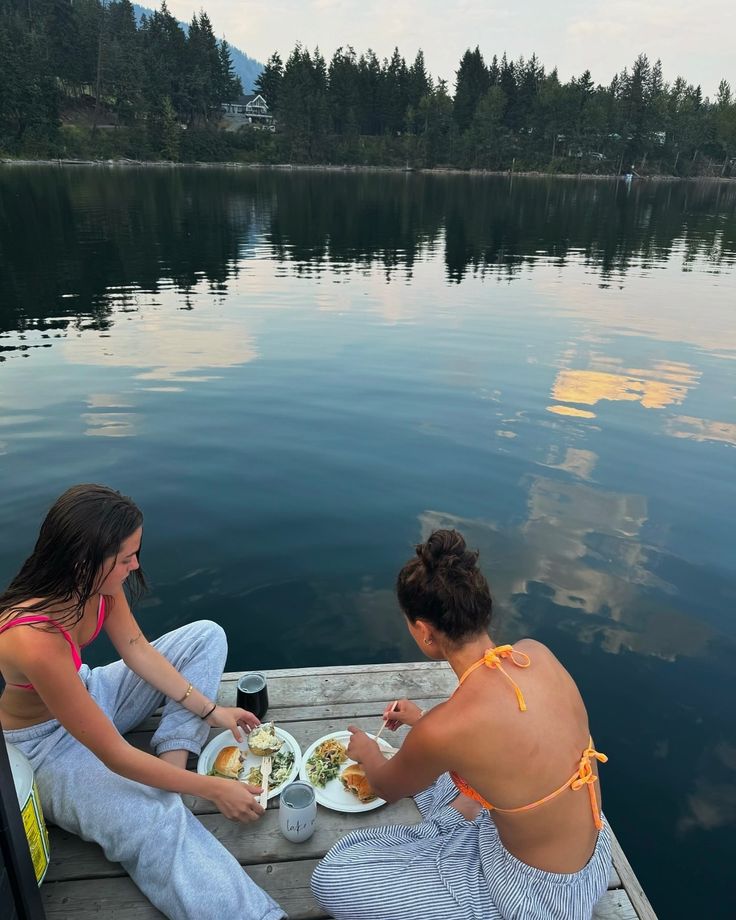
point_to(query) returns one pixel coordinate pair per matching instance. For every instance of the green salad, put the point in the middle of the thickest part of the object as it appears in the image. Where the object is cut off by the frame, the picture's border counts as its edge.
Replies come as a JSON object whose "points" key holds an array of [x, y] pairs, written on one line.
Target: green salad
{"points": [[280, 768], [324, 764]]}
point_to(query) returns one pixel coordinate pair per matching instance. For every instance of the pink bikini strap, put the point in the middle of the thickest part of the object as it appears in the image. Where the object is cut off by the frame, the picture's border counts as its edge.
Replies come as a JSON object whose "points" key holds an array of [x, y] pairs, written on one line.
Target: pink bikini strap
{"points": [[40, 618], [100, 621]]}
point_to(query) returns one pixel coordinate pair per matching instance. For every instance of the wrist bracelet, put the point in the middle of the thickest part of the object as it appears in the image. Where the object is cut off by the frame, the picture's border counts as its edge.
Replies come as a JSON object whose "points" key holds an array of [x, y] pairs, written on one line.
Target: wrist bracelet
{"points": [[188, 691], [207, 715]]}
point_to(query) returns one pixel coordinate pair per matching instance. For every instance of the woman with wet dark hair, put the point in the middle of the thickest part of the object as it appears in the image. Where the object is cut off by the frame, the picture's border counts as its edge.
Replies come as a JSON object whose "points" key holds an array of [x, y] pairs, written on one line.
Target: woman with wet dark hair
{"points": [[504, 775], [69, 720]]}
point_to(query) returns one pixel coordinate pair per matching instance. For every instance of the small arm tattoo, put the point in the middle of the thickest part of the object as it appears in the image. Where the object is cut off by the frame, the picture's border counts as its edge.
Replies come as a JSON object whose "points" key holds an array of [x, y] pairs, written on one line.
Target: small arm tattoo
{"points": [[135, 638]]}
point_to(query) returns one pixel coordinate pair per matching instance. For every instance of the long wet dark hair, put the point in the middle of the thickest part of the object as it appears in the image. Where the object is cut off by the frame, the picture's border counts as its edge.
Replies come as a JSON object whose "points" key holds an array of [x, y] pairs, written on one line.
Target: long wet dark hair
{"points": [[86, 526], [444, 586]]}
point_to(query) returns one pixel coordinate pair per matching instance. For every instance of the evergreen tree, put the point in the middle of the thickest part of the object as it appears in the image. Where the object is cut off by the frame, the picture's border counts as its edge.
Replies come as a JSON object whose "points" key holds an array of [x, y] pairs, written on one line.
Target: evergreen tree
{"points": [[344, 91], [395, 96], [124, 80], [473, 82], [420, 82], [269, 82]]}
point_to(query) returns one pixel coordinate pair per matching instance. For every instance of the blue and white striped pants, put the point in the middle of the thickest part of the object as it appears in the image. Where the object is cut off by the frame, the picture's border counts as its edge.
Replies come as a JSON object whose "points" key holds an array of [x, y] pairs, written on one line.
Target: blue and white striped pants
{"points": [[447, 868]]}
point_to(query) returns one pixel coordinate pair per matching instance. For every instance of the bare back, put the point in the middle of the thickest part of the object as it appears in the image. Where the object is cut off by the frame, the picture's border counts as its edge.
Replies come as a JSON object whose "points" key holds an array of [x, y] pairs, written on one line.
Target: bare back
{"points": [[514, 758]]}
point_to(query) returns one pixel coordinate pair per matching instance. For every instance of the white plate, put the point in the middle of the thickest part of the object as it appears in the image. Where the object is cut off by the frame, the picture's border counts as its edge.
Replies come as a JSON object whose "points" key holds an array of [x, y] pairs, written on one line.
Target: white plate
{"points": [[225, 739], [335, 795]]}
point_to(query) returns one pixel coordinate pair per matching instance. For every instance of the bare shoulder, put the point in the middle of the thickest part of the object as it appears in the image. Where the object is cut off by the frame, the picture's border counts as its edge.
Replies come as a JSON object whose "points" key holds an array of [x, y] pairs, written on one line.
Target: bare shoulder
{"points": [[25, 645], [537, 651]]}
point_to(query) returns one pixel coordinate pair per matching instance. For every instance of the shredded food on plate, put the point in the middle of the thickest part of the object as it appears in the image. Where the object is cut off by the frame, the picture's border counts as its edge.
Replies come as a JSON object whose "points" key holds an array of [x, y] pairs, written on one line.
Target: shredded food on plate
{"points": [[280, 769], [324, 764]]}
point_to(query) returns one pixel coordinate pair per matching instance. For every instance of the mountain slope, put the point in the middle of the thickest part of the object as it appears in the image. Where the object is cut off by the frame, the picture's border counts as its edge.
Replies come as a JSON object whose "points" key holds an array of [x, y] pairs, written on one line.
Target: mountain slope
{"points": [[247, 68]]}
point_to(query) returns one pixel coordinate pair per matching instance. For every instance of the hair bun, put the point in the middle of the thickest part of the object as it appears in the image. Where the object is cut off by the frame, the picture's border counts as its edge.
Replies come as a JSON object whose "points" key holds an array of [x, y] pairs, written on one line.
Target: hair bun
{"points": [[446, 550]]}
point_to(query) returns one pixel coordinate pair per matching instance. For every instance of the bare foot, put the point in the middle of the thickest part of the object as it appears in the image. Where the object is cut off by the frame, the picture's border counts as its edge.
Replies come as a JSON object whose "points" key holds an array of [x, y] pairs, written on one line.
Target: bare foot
{"points": [[468, 808]]}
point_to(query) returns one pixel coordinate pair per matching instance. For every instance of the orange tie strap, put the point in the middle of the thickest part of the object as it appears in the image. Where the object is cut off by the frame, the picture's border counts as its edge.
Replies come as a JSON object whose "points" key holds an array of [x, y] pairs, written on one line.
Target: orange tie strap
{"points": [[586, 777], [492, 659], [583, 776]]}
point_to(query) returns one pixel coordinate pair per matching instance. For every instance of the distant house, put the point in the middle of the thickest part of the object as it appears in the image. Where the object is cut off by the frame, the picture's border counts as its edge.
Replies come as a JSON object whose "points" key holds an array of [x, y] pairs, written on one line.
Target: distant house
{"points": [[247, 110]]}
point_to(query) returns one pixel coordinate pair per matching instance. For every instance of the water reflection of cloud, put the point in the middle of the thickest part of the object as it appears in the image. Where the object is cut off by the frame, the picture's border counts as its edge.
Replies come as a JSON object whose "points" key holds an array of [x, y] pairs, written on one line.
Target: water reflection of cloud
{"points": [[116, 422], [580, 548], [167, 344], [577, 460], [701, 429], [686, 311], [712, 804], [110, 424], [665, 384]]}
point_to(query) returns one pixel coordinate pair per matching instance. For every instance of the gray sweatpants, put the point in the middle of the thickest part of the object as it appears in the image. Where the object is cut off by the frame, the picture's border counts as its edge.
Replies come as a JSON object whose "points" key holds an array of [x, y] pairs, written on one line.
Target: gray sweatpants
{"points": [[180, 867]]}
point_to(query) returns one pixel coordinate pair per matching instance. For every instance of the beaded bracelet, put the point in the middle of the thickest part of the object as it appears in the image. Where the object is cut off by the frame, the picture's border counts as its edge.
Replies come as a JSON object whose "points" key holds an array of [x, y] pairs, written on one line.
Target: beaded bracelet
{"points": [[189, 690]]}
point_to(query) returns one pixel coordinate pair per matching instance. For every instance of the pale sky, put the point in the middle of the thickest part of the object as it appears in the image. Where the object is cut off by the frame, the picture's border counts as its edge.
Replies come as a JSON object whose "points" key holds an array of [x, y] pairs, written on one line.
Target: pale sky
{"points": [[694, 39]]}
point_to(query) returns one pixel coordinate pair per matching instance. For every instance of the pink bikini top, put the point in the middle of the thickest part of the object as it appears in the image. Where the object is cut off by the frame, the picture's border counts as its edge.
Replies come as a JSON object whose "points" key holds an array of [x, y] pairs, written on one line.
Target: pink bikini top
{"points": [[40, 618]]}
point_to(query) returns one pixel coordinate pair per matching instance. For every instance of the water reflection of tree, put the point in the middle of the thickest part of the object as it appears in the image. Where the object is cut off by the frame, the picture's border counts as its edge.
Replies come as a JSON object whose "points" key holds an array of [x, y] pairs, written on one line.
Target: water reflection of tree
{"points": [[72, 242]]}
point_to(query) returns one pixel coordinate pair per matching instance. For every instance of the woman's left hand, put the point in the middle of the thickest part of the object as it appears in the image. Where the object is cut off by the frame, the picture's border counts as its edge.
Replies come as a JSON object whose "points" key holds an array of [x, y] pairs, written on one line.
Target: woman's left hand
{"points": [[360, 746], [235, 719]]}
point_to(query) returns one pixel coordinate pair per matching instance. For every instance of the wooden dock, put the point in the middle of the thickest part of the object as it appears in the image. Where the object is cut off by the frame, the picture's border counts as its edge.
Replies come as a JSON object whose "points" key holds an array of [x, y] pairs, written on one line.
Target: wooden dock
{"points": [[81, 883]]}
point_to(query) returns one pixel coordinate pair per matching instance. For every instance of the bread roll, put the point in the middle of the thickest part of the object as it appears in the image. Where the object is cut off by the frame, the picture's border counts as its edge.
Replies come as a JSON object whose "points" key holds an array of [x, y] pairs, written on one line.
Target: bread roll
{"points": [[354, 780], [228, 763]]}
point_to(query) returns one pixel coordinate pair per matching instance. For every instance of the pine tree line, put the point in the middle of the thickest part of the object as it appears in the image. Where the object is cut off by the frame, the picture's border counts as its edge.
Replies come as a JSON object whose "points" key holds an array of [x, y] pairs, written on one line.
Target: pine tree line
{"points": [[89, 57], [500, 113], [73, 67]]}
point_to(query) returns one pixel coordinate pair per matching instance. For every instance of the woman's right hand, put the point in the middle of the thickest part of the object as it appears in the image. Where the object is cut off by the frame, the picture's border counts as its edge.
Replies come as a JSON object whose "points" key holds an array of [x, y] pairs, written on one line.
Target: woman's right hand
{"points": [[404, 712], [237, 801]]}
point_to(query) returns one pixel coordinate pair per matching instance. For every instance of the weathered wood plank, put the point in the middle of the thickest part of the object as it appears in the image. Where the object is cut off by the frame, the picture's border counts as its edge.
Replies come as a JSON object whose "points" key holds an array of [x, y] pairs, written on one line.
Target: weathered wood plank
{"points": [[630, 882], [281, 714], [350, 687], [287, 882], [73, 858], [120, 899], [615, 905], [401, 666]]}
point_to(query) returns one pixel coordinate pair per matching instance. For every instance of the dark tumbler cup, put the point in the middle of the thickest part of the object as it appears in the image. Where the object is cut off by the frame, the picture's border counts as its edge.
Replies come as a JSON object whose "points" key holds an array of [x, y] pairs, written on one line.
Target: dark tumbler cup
{"points": [[253, 694]]}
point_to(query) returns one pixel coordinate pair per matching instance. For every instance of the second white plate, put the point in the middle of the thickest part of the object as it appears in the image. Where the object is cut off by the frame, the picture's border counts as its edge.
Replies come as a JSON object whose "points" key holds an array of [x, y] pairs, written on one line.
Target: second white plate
{"points": [[334, 795]]}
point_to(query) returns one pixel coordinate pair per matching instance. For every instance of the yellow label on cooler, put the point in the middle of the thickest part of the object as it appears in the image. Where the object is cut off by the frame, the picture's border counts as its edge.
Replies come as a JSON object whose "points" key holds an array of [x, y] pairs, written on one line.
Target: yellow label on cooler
{"points": [[36, 834]]}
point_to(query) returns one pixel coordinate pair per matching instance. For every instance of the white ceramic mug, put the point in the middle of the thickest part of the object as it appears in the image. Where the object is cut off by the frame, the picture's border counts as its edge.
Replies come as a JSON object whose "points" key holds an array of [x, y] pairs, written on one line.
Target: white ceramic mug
{"points": [[297, 812]]}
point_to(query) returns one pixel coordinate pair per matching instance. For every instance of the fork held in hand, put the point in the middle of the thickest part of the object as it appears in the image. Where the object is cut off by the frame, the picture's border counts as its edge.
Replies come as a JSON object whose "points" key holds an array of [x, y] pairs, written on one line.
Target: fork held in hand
{"points": [[265, 774], [386, 721]]}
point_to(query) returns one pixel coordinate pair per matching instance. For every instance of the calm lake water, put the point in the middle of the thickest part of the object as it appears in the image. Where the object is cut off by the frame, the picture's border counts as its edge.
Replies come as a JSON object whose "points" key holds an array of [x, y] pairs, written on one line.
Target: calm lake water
{"points": [[298, 376]]}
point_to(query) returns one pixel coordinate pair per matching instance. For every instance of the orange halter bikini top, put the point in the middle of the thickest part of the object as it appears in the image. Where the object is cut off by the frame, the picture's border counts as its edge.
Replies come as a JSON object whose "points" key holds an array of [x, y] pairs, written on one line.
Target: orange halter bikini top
{"points": [[583, 776]]}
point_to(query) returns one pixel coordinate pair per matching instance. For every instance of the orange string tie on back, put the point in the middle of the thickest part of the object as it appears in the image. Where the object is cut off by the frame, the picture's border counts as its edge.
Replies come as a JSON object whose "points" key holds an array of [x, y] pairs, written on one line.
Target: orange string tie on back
{"points": [[492, 658], [586, 777]]}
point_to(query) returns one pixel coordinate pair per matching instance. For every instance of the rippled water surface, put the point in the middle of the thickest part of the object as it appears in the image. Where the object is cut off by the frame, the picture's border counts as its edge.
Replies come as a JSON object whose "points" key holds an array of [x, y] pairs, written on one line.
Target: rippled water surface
{"points": [[297, 376]]}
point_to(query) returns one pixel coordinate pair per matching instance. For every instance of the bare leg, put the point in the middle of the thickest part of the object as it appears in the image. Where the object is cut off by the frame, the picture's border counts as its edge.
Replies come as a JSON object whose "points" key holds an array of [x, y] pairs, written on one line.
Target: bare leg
{"points": [[468, 808], [176, 758]]}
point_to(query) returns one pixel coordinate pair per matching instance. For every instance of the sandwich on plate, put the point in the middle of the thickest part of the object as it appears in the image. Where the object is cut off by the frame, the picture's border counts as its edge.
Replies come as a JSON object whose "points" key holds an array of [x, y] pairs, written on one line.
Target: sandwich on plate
{"points": [[354, 780], [228, 763]]}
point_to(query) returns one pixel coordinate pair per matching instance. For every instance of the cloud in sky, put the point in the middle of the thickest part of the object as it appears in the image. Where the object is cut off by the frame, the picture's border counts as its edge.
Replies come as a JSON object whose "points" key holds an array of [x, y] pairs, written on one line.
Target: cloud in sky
{"points": [[694, 40]]}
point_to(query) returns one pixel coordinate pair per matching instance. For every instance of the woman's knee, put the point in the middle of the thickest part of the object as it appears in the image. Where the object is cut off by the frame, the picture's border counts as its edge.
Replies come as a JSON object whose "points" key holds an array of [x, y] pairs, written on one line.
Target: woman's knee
{"points": [[324, 885], [207, 635], [212, 631]]}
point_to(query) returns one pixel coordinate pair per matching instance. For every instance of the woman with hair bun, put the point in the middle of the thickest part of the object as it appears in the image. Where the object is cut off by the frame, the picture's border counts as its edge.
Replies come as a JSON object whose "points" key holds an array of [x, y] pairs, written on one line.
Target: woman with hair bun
{"points": [[69, 720], [504, 774]]}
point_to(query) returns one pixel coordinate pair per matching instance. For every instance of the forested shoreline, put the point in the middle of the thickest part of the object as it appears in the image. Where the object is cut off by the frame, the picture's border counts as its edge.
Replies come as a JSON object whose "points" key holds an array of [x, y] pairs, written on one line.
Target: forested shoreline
{"points": [[84, 80]]}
